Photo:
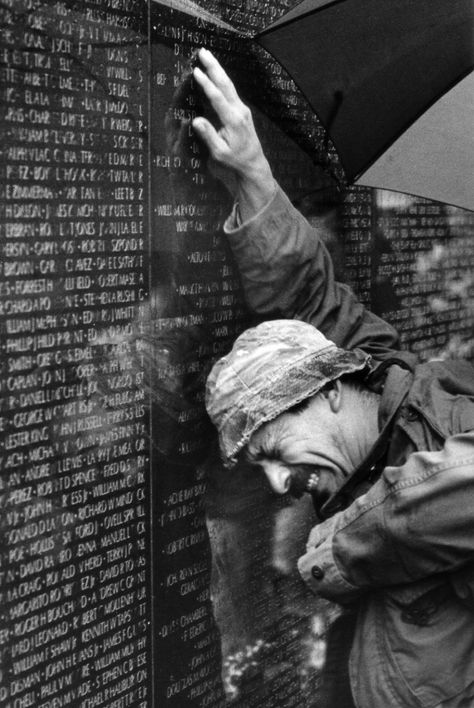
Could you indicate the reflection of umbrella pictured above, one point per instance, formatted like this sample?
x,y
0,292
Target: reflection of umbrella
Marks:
x,y
391,80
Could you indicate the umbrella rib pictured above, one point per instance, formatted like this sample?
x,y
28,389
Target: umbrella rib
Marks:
x,y
278,24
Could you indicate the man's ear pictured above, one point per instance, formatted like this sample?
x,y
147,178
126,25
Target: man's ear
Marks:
x,y
334,396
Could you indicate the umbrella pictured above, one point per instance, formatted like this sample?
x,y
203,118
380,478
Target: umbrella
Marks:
x,y
392,81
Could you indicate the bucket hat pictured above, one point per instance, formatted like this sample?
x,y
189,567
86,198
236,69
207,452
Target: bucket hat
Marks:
x,y
271,368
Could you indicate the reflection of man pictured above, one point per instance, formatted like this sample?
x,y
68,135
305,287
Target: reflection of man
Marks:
x,y
385,446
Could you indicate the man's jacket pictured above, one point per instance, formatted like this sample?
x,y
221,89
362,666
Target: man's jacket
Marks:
x,y
404,549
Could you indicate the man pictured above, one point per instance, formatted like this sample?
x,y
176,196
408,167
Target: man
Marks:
x,y
321,399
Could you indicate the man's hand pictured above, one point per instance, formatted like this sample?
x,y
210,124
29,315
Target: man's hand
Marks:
x,y
236,153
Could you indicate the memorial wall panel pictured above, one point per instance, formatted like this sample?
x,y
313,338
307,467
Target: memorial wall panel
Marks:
x,y
134,569
74,277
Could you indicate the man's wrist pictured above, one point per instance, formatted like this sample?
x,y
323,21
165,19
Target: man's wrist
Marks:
x,y
242,218
254,190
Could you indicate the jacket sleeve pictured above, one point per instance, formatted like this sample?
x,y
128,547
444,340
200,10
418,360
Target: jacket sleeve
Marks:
x,y
416,522
287,273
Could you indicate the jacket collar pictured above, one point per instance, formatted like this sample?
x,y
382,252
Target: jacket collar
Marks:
x,y
395,388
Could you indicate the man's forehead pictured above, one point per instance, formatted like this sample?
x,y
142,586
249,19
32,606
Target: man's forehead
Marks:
x,y
275,436
292,432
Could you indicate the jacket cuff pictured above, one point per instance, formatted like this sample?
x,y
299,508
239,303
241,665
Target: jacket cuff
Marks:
x,y
233,225
319,569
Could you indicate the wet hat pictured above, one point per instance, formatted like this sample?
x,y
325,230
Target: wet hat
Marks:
x,y
271,368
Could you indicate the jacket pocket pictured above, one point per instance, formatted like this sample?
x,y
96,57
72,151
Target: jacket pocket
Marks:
x,y
429,642
403,596
419,603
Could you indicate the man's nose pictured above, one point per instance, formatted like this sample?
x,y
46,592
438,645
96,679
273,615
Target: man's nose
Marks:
x,y
279,477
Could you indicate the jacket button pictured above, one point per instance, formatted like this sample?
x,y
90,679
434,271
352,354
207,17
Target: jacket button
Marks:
x,y
317,572
410,413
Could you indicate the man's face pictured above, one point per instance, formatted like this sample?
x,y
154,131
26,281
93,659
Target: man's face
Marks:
x,y
312,450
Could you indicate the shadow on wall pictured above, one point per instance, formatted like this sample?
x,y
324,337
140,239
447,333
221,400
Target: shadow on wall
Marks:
x,y
277,638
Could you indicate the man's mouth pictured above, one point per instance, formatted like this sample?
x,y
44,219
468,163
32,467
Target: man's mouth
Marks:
x,y
303,479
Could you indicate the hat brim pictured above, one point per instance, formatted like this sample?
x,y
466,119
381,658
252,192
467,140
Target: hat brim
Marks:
x,y
299,382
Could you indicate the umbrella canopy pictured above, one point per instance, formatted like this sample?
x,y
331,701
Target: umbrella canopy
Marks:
x,y
392,82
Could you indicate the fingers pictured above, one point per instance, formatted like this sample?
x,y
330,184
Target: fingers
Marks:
x,y
215,96
218,87
217,74
209,135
